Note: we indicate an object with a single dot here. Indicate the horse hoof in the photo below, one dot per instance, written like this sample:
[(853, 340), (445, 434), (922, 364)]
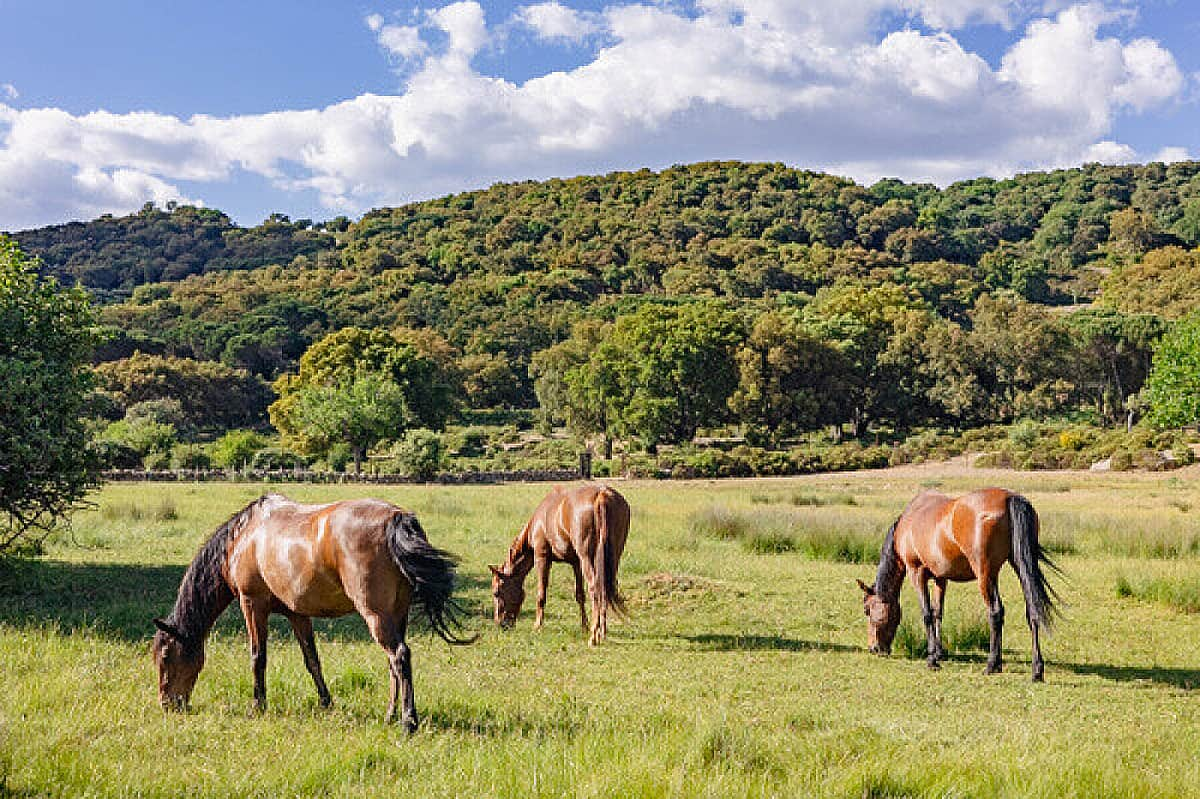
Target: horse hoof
[(1039, 677), (326, 702), (993, 669), (934, 665)]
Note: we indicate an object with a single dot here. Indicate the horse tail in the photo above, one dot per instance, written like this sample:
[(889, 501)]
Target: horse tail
[(606, 559), (1027, 558), (431, 573)]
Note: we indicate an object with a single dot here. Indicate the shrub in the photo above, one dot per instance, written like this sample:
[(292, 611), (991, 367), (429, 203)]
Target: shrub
[(237, 448), (419, 454), (275, 458), (116, 455), (142, 435), (190, 456)]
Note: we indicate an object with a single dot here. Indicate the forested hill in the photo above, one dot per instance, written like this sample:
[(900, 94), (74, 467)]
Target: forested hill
[(503, 273), (116, 253)]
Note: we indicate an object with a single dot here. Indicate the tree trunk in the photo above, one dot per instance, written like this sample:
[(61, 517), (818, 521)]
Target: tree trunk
[(358, 453)]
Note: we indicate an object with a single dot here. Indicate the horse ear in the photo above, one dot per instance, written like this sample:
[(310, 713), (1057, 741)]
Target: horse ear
[(167, 628), (495, 570), (866, 589)]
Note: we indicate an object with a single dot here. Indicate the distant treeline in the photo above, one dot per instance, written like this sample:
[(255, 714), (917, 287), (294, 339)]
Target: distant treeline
[(651, 305)]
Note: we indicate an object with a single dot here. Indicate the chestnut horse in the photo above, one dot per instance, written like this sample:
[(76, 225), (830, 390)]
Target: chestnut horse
[(277, 556), (584, 526), (938, 538)]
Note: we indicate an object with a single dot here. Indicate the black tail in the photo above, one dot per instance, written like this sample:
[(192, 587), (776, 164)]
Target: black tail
[(430, 572), (1027, 558)]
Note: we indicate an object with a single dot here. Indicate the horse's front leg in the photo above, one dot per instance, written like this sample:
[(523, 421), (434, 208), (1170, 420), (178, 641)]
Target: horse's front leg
[(303, 628), (920, 580), (256, 611), (990, 589), (542, 566)]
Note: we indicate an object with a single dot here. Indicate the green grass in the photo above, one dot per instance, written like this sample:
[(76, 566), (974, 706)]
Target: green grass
[(738, 673), (1183, 594)]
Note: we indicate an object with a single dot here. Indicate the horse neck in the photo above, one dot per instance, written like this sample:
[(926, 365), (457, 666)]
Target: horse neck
[(204, 593), (520, 556), (890, 577)]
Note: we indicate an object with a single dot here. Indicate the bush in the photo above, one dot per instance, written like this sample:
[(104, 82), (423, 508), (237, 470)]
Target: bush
[(275, 459), (419, 454), (116, 455), (157, 461), (142, 435), (190, 456), (237, 448)]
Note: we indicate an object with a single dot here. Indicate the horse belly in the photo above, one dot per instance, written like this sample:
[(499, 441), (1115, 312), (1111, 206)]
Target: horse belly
[(299, 582)]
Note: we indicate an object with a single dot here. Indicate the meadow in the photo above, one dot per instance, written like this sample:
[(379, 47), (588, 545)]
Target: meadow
[(742, 669)]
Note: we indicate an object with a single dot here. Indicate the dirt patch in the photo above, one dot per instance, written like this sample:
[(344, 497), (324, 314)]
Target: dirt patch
[(677, 587)]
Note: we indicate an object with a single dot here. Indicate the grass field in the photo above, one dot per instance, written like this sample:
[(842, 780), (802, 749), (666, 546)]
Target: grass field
[(742, 670)]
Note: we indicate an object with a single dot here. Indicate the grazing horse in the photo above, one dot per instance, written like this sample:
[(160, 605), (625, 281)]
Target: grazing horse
[(585, 526), (278, 556), (962, 539)]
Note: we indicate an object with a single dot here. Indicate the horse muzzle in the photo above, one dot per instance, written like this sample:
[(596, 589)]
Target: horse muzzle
[(173, 703)]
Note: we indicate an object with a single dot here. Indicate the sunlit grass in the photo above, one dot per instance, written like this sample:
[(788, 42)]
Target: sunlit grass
[(740, 672)]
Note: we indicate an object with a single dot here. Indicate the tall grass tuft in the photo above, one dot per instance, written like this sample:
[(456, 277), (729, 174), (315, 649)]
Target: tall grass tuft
[(1182, 595), (162, 510), (840, 538), (958, 637)]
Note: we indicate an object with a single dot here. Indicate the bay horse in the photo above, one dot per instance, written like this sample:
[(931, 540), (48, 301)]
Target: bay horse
[(584, 526), (941, 539), (278, 556)]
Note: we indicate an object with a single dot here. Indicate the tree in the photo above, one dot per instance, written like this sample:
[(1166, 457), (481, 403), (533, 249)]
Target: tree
[(362, 413), (358, 387), (47, 334), (1173, 387), (789, 380), (665, 371)]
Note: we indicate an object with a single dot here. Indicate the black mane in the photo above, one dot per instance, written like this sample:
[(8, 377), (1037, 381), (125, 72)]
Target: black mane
[(204, 592), (891, 573)]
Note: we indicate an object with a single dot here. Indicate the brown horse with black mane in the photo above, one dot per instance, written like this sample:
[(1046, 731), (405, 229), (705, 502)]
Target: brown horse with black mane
[(584, 526), (278, 556), (938, 538)]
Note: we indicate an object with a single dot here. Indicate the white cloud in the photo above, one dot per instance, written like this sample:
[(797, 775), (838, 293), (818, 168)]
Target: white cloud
[(555, 21), (1109, 152), (750, 79), (1171, 155), (9, 91)]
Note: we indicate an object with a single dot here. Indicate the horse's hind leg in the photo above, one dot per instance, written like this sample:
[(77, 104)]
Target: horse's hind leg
[(257, 611), (939, 602), (1039, 668), (581, 596), (389, 632), (990, 588), (302, 627)]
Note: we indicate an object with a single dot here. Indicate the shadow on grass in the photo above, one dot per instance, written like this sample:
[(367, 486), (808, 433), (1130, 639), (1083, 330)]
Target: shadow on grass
[(119, 600), (715, 642), (1187, 679)]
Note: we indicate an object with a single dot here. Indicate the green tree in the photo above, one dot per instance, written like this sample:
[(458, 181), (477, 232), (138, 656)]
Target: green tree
[(47, 334), (237, 448), (789, 380), (360, 414), (666, 371), (358, 387), (1173, 388)]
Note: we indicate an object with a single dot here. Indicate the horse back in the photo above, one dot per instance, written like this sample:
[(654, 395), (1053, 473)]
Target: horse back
[(309, 556), (956, 538)]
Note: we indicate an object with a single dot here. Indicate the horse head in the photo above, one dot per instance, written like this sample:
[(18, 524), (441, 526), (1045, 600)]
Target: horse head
[(179, 661), (883, 619), (508, 593)]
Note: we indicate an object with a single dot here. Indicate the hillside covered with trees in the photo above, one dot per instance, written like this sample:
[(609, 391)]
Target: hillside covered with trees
[(649, 306)]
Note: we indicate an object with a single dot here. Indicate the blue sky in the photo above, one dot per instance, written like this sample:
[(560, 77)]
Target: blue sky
[(319, 108)]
